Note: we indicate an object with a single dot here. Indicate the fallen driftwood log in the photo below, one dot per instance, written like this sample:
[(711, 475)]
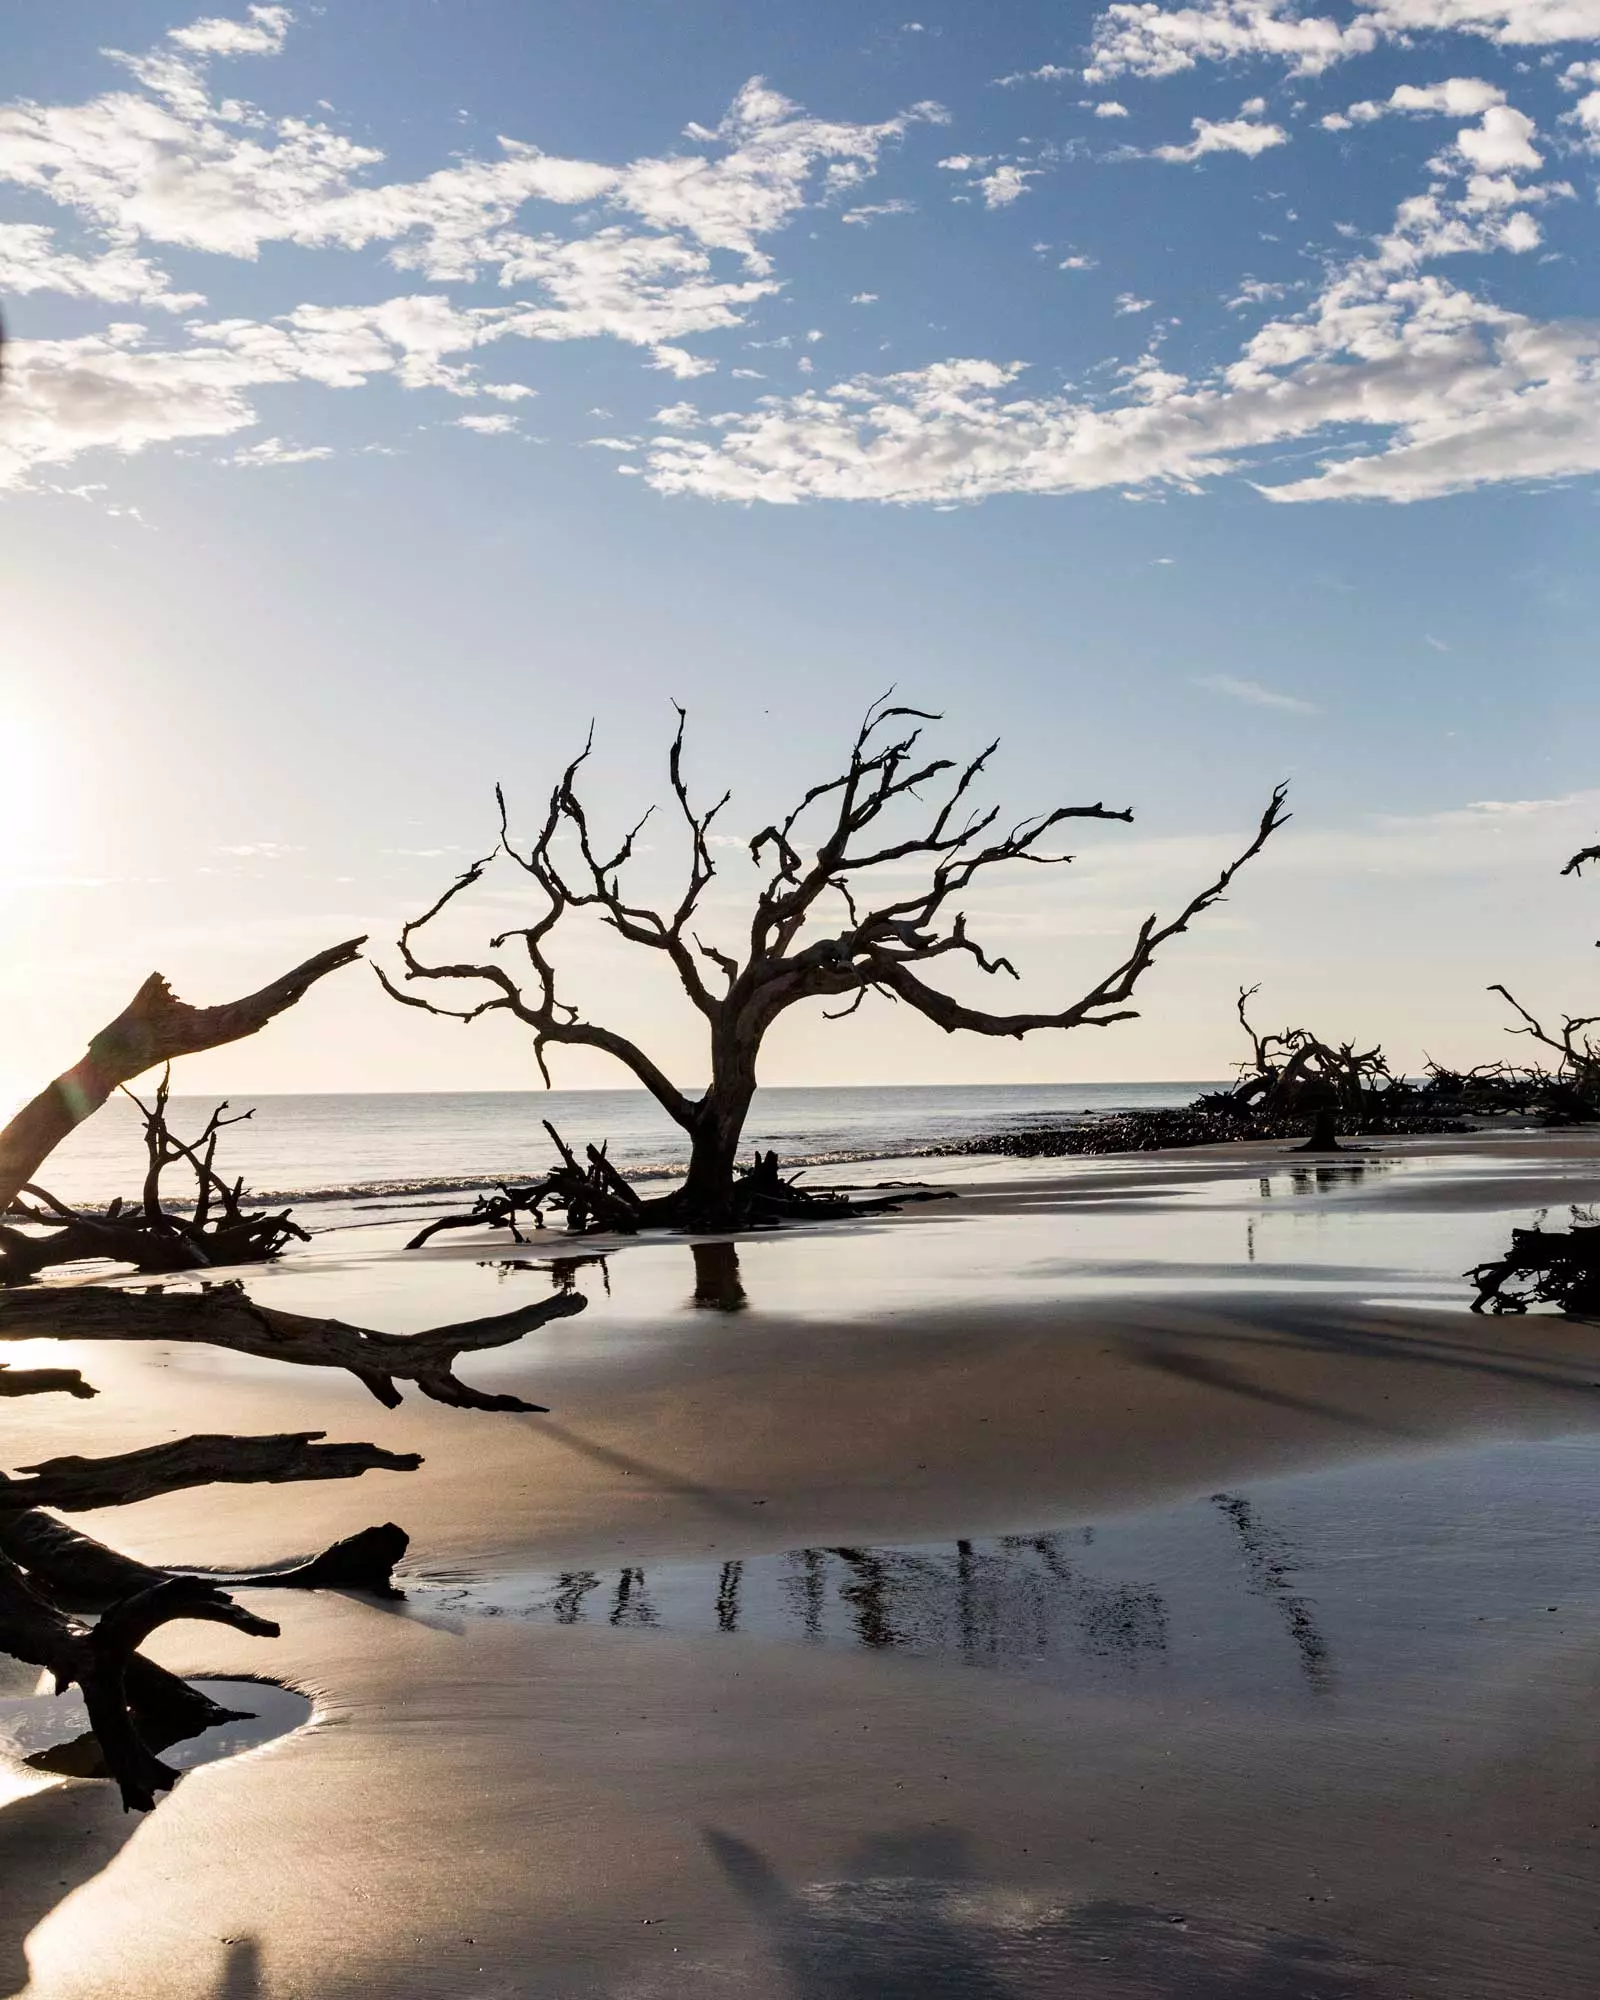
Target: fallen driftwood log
[(49, 1570), (77, 1573), (598, 1199), (1559, 1267), (43, 1382), (224, 1315), (80, 1484), (98, 1660)]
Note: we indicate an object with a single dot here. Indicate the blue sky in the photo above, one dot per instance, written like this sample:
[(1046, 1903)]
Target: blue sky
[(1192, 396)]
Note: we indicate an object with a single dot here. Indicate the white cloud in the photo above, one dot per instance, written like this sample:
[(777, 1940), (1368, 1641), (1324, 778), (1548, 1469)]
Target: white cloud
[(1501, 142), (261, 35), (273, 451), (1456, 97), (1228, 135), (1130, 302), (1078, 264), (863, 298), (680, 362), (1109, 108), (1142, 38), (1045, 73), (1254, 695), (870, 212), (1005, 184), (677, 415), (1585, 114), (159, 161), (499, 423), (1418, 388), (32, 261)]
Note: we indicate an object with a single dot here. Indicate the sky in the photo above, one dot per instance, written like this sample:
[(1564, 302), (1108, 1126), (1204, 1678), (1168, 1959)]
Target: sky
[(1192, 397)]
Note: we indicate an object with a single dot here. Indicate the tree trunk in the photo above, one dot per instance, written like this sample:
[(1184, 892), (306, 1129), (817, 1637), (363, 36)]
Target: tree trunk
[(706, 1197)]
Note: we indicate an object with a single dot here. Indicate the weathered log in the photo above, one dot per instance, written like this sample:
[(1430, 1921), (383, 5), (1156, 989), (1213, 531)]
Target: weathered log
[(43, 1382), (224, 1315), (77, 1485), (155, 1027), (98, 1660), (76, 1573)]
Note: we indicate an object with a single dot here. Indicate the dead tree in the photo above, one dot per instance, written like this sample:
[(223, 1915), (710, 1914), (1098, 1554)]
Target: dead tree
[(1295, 1076), (814, 933), (1576, 1079), (214, 1228), (154, 1028)]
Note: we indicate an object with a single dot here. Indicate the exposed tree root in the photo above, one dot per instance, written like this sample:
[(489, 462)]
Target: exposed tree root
[(598, 1200)]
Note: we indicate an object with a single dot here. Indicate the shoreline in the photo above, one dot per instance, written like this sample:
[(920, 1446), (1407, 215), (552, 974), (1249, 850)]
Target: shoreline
[(1073, 1345)]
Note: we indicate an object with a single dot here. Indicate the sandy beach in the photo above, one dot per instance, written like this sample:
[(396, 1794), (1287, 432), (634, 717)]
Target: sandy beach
[(1136, 1576)]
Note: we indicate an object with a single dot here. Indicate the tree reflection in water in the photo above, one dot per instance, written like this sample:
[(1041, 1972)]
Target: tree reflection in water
[(1011, 1601)]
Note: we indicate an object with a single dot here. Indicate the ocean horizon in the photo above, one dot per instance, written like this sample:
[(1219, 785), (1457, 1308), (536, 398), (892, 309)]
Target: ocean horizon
[(343, 1146)]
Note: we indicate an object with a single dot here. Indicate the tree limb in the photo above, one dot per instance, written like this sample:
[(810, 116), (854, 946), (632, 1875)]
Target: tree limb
[(155, 1027)]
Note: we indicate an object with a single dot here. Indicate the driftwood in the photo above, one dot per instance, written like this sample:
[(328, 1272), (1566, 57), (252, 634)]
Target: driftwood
[(43, 1382), (154, 1028), (812, 935), (76, 1573), (1559, 1267), (223, 1315), (599, 1200), (218, 1229), (98, 1658), (80, 1484)]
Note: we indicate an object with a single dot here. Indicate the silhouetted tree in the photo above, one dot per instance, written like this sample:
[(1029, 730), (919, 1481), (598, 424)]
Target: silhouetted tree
[(815, 932), (1574, 1043)]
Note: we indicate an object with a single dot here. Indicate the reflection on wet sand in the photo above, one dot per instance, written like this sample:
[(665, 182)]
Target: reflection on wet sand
[(1011, 1601), (717, 1282), (1271, 1560)]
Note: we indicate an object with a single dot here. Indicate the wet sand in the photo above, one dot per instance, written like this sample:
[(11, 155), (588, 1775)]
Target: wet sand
[(1054, 1717)]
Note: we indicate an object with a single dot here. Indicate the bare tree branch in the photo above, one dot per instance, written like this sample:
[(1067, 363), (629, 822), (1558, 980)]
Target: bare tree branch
[(155, 1027)]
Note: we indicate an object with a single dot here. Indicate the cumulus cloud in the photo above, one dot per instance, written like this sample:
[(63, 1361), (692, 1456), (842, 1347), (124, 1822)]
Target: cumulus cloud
[(498, 423), (31, 260), (1005, 184), (1108, 107), (261, 35), (1418, 388), (1228, 135), (1143, 38), (161, 161)]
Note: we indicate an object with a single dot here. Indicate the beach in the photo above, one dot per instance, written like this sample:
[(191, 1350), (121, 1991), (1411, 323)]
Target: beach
[(1132, 1576)]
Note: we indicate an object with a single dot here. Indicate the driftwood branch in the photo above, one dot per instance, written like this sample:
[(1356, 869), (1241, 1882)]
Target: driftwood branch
[(100, 1658), (43, 1382), (78, 1485), (224, 1315), (155, 1027), (77, 1573)]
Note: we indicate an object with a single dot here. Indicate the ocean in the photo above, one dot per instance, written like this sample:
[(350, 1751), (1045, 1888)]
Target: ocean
[(383, 1145)]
